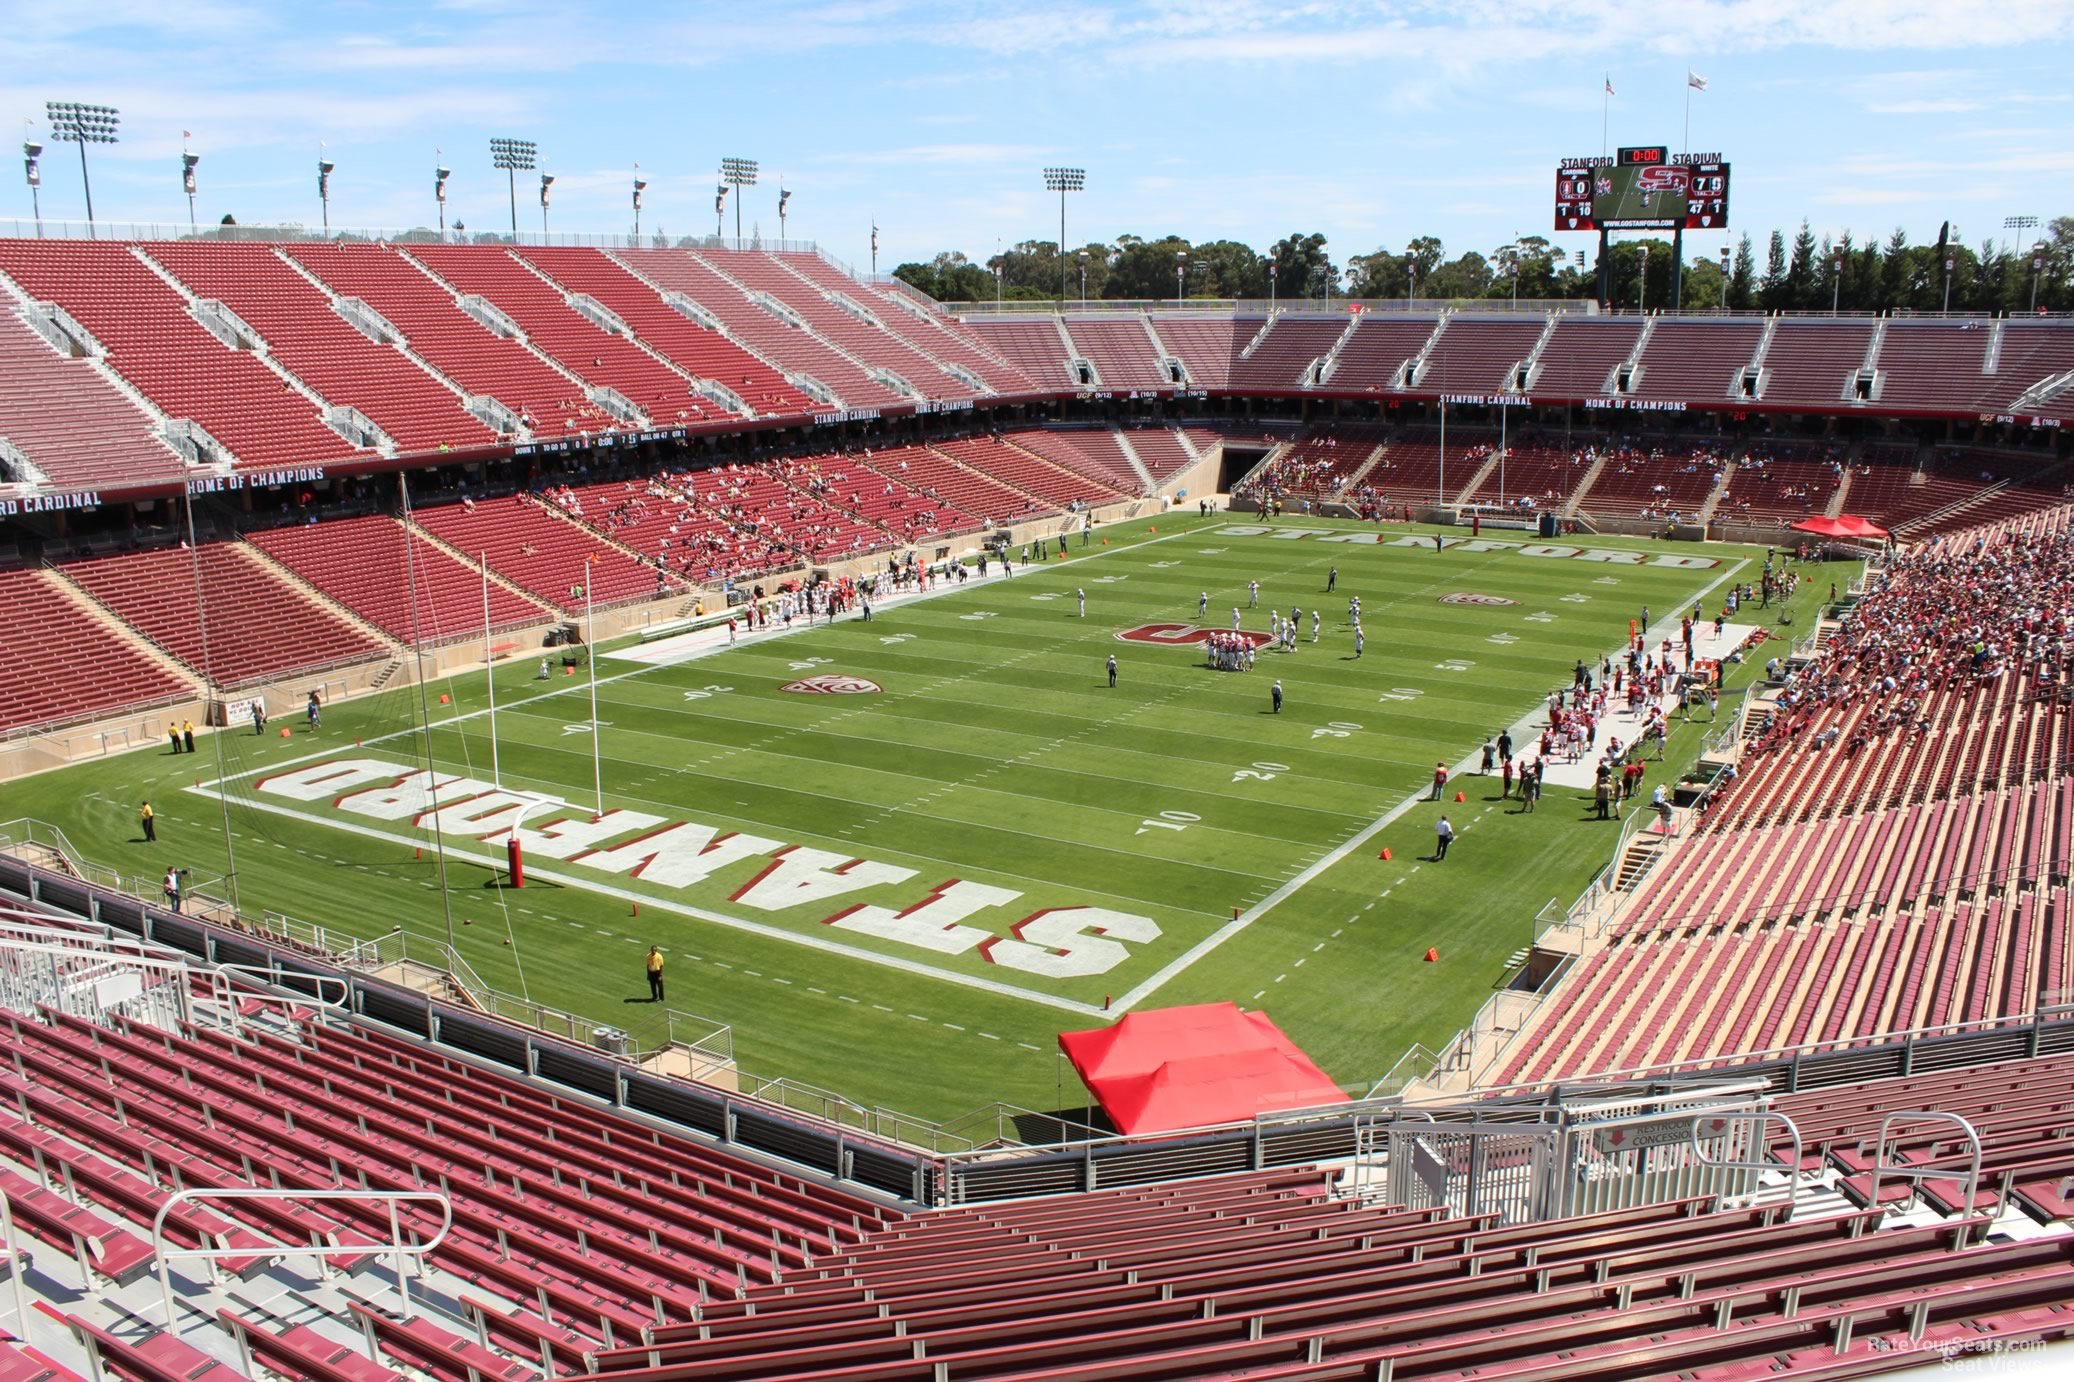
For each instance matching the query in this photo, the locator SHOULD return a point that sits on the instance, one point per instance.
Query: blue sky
(1372, 123)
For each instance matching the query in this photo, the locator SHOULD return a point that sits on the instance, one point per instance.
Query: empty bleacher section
(867, 341)
(779, 336)
(1374, 356)
(541, 554)
(1026, 461)
(1121, 349)
(1582, 354)
(1814, 362)
(1032, 344)
(100, 673)
(364, 564)
(697, 350)
(1162, 450)
(1092, 453)
(245, 624)
(482, 363)
(972, 496)
(2032, 354)
(1280, 358)
(1696, 361)
(578, 345)
(73, 427)
(939, 339)
(605, 1226)
(183, 369)
(418, 412)
(1207, 346)
(1955, 487)
(1932, 364)
(1478, 355)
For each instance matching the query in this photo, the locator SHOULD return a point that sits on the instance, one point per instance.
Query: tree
(1467, 277)
(1143, 270)
(1799, 289)
(1302, 268)
(1226, 269)
(1771, 292)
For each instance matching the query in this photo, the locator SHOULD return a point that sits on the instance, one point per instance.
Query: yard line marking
(1258, 996)
(918, 1017)
(812, 989)
(954, 1026)
(846, 998)
(882, 1007)
(1028, 1047)
(1280, 977)
(786, 982)
(989, 1036)
(1299, 963)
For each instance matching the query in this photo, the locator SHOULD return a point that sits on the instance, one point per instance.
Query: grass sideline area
(1037, 848)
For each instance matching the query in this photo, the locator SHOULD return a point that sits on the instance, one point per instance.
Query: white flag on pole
(1695, 80)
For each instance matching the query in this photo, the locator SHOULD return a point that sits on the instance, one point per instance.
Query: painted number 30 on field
(1338, 729)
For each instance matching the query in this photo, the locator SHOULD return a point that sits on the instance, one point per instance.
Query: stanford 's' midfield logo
(1468, 597)
(833, 684)
(1182, 635)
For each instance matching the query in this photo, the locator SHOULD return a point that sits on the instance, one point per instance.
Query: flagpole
(590, 633)
(1686, 146)
(482, 561)
(1605, 115)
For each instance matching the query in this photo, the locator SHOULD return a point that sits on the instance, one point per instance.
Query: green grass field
(1033, 844)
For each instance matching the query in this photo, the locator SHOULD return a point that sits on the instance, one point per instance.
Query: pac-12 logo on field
(1181, 635)
(1470, 597)
(833, 685)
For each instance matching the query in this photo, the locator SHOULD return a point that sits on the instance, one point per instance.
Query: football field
(899, 856)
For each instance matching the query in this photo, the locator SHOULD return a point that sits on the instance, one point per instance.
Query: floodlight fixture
(547, 180)
(738, 172)
(1180, 269)
(784, 196)
(512, 157)
(187, 163)
(640, 186)
(32, 169)
(719, 209)
(440, 173)
(78, 122)
(1062, 181)
(324, 170)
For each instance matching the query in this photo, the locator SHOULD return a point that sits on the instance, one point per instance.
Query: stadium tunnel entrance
(1233, 463)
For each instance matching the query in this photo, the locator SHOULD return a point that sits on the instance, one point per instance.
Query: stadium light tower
(1642, 292)
(1062, 181)
(1083, 280)
(187, 162)
(784, 196)
(2017, 223)
(640, 186)
(32, 168)
(1180, 271)
(1724, 280)
(547, 180)
(324, 171)
(1836, 281)
(719, 209)
(2037, 267)
(513, 156)
(74, 122)
(1272, 268)
(440, 173)
(738, 173)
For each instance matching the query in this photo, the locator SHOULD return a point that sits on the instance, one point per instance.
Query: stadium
(680, 807)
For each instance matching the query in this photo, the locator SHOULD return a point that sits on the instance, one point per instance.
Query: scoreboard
(1643, 188)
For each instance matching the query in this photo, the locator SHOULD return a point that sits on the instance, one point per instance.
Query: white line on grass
(1180, 963)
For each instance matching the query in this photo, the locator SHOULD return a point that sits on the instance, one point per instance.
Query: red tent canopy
(1188, 1067)
(1843, 525)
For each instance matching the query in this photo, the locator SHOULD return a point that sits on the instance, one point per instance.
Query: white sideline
(1165, 973)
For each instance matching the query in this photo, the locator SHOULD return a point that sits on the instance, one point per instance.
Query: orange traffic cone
(1432, 955)
(285, 733)
(445, 699)
(1385, 855)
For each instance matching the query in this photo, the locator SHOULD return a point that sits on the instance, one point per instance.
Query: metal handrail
(1916, 1175)
(1759, 1165)
(16, 1265)
(391, 1197)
